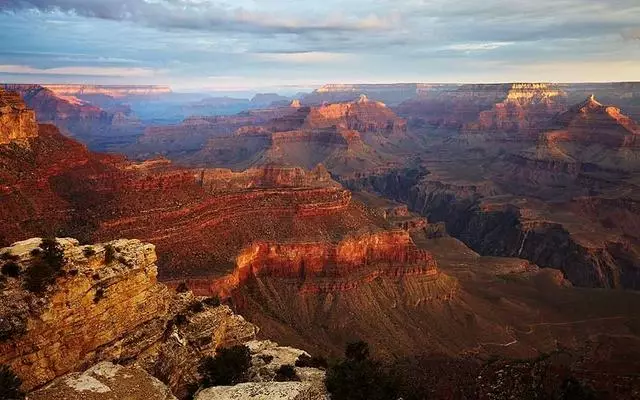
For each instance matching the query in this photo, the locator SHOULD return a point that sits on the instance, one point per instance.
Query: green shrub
(180, 319)
(46, 267)
(7, 256)
(213, 301)
(99, 295)
(11, 269)
(88, 252)
(286, 373)
(182, 287)
(10, 385)
(196, 307)
(109, 254)
(572, 389)
(357, 351)
(360, 378)
(12, 326)
(228, 367)
(305, 361)
(52, 253)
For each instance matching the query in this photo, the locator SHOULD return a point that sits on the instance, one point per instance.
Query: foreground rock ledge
(108, 308)
(105, 381)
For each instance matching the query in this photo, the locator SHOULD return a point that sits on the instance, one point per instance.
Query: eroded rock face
(107, 305)
(323, 266)
(73, 116)
(87, 309)
(225, 180)
(17, 122)
(526, 110)
(105, 381)
(591, 133)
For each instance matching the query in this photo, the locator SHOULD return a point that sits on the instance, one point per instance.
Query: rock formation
(267, 358)
(17, 122)
(325, 267)
(512, 110)
(591, 122)
(345, 137)
(105, 381)
(79, 118)
(526, 110)
(107, 305)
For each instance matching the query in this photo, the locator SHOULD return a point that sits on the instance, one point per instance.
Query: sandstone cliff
(106, 304)
(96, 127)
(325, 267)
(17, 122)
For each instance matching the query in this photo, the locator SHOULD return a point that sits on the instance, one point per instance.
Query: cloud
(631, 34)
(79, 71)
(478, 46)
(199, 15)
(312, 57)
(280, 40)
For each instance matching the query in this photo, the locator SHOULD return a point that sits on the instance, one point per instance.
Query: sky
(297, 44)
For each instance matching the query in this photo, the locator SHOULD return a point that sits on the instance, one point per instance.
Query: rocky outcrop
(267, 357)
(225, 180)
(106, 304)
(526, 110)
(99, 128)
(86, 312)
(593, 122)
(17, 122)
(592, 133)
(77, 118)
(105, 381)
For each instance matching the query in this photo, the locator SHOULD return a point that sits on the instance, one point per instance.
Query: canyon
(470, 221)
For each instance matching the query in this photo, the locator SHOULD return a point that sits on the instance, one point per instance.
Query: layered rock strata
(106, 304)
(17, 122)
